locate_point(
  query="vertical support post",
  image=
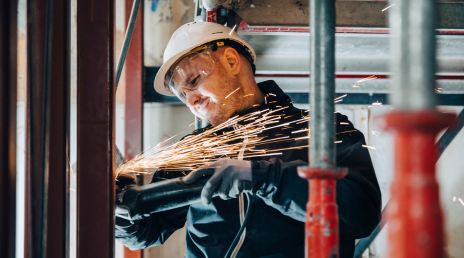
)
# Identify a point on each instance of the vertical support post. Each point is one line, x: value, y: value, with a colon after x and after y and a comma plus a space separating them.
x: 37, y: 135
x: 322, y: 238
x: 47, y: 125
x: 59, y: 173
x: 8, y: 87
x: 134, y: 84
x: 95, y: 128
x: 133, y: 133
x: 414, y: 213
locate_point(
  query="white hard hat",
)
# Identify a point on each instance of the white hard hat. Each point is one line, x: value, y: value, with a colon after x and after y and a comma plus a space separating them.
x: 188, y: 37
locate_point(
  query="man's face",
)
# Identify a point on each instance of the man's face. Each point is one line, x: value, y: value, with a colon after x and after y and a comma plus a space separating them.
x: 202, y: 82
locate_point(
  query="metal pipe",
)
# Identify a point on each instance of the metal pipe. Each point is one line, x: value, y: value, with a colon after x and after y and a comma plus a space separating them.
x: 322, y: 154
x: 8, y: 94
x: 413, y: 62
x: 450, y: 134
x: 127, y: 40
x: 414, y: 214
x: 322, y: 236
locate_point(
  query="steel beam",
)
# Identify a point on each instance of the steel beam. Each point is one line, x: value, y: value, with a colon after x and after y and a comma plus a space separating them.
x: 414, y: 213
x: 133, y: 123
x: 8, y: 87
x: 95, y: 129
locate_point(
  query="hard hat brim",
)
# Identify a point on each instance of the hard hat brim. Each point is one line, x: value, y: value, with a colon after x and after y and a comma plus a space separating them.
x: 161, y: 74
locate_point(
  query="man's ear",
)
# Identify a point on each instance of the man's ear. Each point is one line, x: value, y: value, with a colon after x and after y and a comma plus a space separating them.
x: 232, y: 61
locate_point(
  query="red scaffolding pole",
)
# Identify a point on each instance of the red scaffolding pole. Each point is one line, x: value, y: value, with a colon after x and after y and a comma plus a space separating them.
x: 133, y: 106
x: 414, y: 213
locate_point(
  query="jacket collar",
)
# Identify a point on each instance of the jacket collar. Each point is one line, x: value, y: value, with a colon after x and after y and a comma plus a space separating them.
x: 274, y: 94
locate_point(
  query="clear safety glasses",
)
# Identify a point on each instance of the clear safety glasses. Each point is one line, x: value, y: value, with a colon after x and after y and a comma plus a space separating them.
x: 189, y: 72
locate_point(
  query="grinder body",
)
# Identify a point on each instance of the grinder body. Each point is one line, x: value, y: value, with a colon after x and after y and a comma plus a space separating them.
x: 141, y: 201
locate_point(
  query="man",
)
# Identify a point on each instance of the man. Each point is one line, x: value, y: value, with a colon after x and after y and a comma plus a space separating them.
x: 211, y: 69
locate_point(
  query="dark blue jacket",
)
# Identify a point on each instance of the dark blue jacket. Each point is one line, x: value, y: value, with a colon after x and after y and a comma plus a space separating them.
x: 276, y: 224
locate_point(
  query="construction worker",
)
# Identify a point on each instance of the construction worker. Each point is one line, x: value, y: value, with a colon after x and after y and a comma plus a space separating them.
x: 211, y: 69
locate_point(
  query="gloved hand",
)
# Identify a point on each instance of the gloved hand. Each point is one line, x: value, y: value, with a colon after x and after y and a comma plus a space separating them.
x: 230, y: 178
x: 122, y: 181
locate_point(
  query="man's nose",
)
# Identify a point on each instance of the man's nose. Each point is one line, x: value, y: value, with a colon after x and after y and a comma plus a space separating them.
x: 192, y: 97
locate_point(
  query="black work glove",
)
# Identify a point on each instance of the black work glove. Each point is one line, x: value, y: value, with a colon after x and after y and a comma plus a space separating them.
x: 231, y: 177
x: 122, y: 182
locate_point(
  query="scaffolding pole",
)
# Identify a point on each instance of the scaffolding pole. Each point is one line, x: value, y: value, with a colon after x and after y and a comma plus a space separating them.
x: 322, y: 236
x: 414, y: 213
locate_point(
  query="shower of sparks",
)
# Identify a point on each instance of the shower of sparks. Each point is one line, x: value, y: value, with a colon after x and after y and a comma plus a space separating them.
x: 454, y: 198
x: 363, y: 80
x: 272, y: 94
x: 438, y: 89
x: 388, y: 7
x: 340, y: 98
x: 368, y: 147
x: 344, y: 123
x: 337, y: 142
x: 230, y: 94
x: 238, y: 137
x: 232, y: 30
x: 218, y: 142
x: 461, y: 201
x: 376, y: 104
x: 248, y: 95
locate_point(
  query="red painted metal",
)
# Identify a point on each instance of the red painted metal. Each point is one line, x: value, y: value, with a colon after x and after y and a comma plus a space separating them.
x: 322, y: 230
x: 355, y: 30
x: 211, y: 16
x: 95, y: 129
x: 8, y: 87
x: 414, y: 214
x: 134, y: 85
x: 133, y: 107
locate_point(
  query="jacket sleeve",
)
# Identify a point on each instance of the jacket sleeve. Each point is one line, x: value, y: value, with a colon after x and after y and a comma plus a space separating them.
x: 358, y: 194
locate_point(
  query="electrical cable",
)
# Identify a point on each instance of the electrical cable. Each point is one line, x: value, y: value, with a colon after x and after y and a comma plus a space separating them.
x: 242, y: 227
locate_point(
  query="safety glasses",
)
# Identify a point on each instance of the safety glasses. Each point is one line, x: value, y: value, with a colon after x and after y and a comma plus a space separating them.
x: 189, y: 72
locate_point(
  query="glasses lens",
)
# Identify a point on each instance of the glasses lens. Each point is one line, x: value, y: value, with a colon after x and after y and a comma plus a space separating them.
x: 188, y: 73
